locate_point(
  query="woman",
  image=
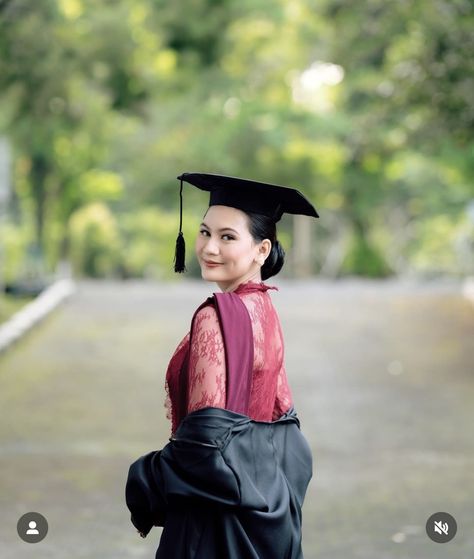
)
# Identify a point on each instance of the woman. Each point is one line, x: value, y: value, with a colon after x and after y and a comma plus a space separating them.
x: 232, y: 480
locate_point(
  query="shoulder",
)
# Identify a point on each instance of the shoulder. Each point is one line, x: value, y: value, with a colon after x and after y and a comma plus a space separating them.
x: 207, y: 338
x: 207, y: 313
x: 206, y: 320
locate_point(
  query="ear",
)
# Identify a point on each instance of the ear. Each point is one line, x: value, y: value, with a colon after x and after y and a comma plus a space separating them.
x: 265, y: 248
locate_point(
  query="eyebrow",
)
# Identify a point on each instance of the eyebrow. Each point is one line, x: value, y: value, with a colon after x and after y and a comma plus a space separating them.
x: 223, y: 229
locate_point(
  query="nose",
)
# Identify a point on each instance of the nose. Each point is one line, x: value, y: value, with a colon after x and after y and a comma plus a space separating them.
x: 210, y: 247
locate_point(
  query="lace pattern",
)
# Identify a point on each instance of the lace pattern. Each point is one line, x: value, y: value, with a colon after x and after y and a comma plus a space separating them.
x: 207, y: 373
x: 270, y: 394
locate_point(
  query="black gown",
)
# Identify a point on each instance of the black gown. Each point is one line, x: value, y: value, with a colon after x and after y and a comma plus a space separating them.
x: 225, y: 486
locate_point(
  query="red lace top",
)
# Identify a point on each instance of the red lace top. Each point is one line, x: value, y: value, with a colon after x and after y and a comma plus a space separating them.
x: 270, y: 395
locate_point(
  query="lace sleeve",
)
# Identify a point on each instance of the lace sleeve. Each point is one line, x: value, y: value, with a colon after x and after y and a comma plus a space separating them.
x: 207, y: 370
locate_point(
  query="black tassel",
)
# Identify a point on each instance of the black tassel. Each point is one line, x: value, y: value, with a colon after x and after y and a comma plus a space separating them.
x: 180, y: 251
x: 179, y: 254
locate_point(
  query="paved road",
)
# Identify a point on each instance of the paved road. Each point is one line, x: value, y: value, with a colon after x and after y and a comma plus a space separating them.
x: 382, y: 380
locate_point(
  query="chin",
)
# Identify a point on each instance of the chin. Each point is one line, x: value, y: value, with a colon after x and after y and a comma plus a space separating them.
x: 213, y: 275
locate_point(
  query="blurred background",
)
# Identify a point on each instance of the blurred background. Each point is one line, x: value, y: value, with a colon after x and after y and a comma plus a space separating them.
x: 365, y: 107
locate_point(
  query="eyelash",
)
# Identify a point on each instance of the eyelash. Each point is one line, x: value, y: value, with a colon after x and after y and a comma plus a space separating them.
x: 225, y: 235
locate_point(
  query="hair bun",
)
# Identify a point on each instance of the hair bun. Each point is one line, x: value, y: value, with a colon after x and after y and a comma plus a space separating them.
x: 263, y: 227
x: 274, y: 261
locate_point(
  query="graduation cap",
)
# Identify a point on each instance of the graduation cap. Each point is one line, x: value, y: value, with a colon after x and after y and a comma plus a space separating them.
x: 270, y: 200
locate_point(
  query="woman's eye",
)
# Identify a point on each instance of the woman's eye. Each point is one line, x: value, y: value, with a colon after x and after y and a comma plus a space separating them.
x: 204, y: 232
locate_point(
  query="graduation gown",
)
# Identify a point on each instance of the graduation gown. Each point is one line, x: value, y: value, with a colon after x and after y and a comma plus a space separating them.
x: 225, y: 486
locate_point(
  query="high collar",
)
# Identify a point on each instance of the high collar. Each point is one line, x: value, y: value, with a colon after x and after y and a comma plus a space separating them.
x: 251, y: 286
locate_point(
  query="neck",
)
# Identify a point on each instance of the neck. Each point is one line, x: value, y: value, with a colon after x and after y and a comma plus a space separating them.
x: 251, y: 276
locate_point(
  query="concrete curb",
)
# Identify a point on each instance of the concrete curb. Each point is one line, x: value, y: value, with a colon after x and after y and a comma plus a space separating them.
x: 34, y: 312
x: 468, y: 288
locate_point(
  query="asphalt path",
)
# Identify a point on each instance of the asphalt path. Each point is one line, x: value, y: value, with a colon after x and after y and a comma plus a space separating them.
x: 383, y: 382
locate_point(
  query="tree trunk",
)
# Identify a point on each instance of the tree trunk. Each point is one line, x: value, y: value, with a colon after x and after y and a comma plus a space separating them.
x: 302, y: 254
x: 38, y: 174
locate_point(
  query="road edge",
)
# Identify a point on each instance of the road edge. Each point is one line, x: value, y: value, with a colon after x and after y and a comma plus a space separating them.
x: 32, y: 313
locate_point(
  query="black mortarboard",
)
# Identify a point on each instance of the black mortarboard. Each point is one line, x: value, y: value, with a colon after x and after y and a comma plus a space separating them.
x: 250, y: 196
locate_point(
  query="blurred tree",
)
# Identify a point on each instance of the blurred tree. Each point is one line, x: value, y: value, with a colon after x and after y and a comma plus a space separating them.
x: 196, y: 30
x: 63, y: 70
x: 366, y: 108
x: 408, y: 78
x: 411, y: 59
x: 95, y: 241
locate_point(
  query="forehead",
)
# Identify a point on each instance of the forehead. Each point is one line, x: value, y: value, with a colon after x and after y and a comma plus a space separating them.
x: 226, y: 216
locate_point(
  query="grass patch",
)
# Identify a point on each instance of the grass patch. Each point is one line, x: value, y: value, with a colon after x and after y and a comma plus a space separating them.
x: 9, y: 305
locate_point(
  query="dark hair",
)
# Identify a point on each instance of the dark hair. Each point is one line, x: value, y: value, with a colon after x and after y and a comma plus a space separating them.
x: 263, y: 227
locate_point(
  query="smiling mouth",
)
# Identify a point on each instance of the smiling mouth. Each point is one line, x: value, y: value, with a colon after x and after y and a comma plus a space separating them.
x: 211, y: 263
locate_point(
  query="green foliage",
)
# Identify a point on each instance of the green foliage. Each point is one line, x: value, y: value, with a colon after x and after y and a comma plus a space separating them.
x: 107, y: 102
x: 14, y: 244
x: 441, y: 244
x: 365, y: 260
x: 94, y: 241
x: 149, y: 237
x: 9, y: 305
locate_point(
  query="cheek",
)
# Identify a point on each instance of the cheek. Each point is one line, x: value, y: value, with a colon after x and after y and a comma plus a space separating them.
x: 198, y: 244
x: 240, y: 253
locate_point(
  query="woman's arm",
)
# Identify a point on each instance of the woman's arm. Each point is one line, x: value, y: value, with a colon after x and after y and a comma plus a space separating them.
x: 207, y: 368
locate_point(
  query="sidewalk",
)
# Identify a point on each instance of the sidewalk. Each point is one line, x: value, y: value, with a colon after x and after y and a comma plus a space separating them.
x: 382, y: 380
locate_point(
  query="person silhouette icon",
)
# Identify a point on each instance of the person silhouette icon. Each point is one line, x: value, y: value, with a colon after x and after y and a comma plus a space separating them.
x: 32, y: 529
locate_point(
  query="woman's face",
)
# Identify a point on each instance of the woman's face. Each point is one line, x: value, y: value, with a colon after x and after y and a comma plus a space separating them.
x: 224, y: 239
